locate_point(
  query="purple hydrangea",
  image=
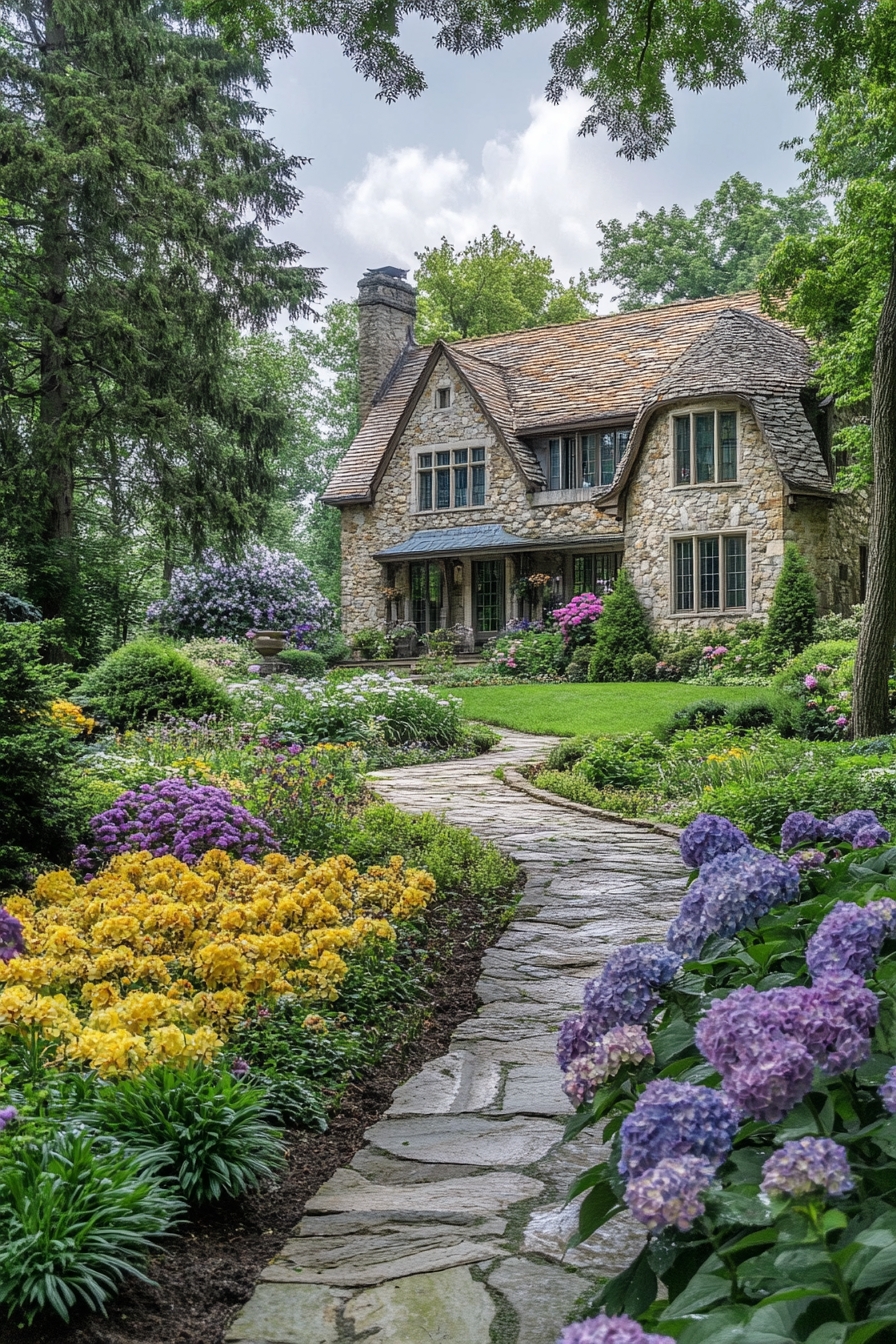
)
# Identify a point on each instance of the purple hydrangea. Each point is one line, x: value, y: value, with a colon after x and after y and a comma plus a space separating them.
x: 12, y: 942
x: 732, y: 891
x: 860, y: 828
x: 850, y: 937
x: 625, y: 991
x: 706, y: 837
x: 175, y: 817
x: 805, y: 859
x: 586, y: 1072
x: 765, y: 1045
x: 576, y: 1037
x: 604, y: 1329
x: 887, y: 1091
x: 802, y: 828
x: 7, y: 1115
x: 264, y: 589
x: 806, y: 1166
x: 677, y: 1120
x: 668, y: 1195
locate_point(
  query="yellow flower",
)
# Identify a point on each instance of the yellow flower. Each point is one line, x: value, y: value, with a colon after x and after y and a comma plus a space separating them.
x: 71, y: 718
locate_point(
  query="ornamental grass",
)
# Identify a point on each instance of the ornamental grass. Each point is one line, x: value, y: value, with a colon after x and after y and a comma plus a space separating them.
x: 155, y: 961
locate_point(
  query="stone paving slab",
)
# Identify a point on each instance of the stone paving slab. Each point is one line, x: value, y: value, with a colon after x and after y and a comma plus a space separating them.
x: 451, y: 1222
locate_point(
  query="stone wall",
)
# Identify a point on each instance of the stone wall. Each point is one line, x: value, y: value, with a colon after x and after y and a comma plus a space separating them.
x: 829, y: 536
x: 387, y: 307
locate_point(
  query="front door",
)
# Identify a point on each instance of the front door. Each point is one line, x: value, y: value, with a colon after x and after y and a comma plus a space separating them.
x: 426, y: 596
x: 488, y: 592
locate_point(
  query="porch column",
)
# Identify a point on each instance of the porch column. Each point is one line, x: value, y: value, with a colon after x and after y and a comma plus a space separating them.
x: 508, y: 589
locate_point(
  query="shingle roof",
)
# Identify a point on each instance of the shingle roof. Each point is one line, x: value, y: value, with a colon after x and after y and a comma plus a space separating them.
x: 624, y: 364
x: 455, y: 540
x: 761, y: 362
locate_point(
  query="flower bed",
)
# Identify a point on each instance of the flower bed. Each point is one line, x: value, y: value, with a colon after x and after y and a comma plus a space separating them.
x: 745, y: 1075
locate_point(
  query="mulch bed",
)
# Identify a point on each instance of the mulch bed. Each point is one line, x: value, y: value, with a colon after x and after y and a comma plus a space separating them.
x: 213, y: 1265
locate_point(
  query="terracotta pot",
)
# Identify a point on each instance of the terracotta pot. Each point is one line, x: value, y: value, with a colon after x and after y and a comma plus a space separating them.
x: 269, y: 642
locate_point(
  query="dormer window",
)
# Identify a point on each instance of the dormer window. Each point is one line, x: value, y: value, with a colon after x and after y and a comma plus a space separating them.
x: 443, y: 398
x: 704, y: 447
x: 579, y: 460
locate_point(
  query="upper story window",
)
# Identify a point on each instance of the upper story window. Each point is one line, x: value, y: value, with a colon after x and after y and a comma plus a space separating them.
x: 443, y: 398
x: 704, y: 446
x: 451, y: 478
x: 578, y: 460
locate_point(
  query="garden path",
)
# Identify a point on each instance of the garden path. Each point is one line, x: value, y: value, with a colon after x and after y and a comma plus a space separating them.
x: 449, y: 1225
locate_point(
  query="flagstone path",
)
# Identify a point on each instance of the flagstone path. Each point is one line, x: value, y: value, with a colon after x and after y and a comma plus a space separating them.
x: 449, y: 1226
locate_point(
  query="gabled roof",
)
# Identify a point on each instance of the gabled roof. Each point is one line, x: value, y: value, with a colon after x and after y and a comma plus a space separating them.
x: 622, y: 366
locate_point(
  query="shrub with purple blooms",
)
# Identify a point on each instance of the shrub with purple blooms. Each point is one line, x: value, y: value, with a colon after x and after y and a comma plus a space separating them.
x: 578, y: 618
x: 707, y: 837
x: 263, y: 590
x: 609, y: 1330
x: 177, y: 818
x: 756, y: 1143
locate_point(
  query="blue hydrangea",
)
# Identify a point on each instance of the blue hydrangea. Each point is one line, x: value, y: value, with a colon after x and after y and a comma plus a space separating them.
x: 708, y: 836
x: 588, y: 1071
x: 604, y: 1329
x: 850, y: 937
x: 801, y: 828
x: 807, y: 1166
x: 668, y: 1195
x: 887, y: 1091
x: 731, y: 893
x: 677, y: 1120
x: 860, y: 828
x: 625, y: 992
x: 576, y: 1037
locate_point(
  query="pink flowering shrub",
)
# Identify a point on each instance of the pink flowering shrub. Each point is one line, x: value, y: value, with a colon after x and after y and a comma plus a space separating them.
x: 578, y: 618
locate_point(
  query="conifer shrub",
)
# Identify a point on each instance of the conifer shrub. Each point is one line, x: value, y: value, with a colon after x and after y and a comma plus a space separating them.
x: 794, y: 608
x: 621, y: 633
x: 148, y: 679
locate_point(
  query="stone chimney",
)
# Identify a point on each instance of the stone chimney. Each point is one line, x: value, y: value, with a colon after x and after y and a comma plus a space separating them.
x: 387, y: 306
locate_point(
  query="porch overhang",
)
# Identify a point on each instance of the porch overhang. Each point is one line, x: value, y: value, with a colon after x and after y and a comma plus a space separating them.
x: 487, y: 538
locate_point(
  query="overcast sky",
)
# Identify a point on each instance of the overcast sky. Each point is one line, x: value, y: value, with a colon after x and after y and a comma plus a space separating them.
x: 482, y: 146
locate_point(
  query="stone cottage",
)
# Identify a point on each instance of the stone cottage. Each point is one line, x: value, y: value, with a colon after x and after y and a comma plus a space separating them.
x: 685, y: 442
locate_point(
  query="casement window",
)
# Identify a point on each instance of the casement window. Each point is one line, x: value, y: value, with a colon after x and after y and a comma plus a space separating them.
x: 443, y: 398
x: 595, y: 573
x: 710, y: 573
x: 704, y: 447
x: 451, y: 478
x: 488, y: 591
x: 578, y: 460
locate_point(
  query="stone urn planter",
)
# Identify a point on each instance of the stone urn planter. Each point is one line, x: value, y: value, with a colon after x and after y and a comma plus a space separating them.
x: 268, y: 643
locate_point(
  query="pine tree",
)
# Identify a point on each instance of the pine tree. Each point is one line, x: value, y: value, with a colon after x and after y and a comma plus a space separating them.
x: 621, y: 633
x: 794, y: 609
x: 138, y: 192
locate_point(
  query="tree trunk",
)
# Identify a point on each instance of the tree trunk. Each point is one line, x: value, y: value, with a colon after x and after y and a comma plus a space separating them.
x: 871, y: 711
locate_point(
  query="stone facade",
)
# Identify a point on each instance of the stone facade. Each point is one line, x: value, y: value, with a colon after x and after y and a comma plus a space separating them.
x: 387, y: 307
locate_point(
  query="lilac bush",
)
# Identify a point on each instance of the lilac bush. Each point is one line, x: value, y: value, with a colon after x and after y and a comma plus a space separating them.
x: 625, y: 992
x: 677, y: 1120
x: 850, y: 937
x: 732, y: 892
x: 806, y: 1166
x: 263, y: 590
x: 174, y: 817
x: 604, y: 1329
x: 668, y: 1195
x: 12, y: 943
x: 706, y: 837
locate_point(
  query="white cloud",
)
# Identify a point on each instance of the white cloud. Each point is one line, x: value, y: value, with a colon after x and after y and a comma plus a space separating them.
x: 547, y: 185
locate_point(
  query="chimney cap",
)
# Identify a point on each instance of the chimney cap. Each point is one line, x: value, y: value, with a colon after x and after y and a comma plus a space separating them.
x: 394, y: 272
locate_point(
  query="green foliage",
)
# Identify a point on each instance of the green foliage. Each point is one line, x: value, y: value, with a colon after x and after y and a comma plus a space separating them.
x: 303, y: 662
x: 480, y: 737
x: 372, y: 643
x: 720, y: 249
x: 830, y: 652
x: 494, y: 284
x: 620, y: 634
x: 531, y: 653
x: 643, y: 667
x: 621, y: 762
x: 202, y: 1127
x: 566, y: 753
x: 79, y: 1215
x: 750, y: 714
x: 146, y: 680
x: 794, y: 608
x: 835, y: 626
x: 224, y: 658
x: 699, y: 714
x: 44, y: 801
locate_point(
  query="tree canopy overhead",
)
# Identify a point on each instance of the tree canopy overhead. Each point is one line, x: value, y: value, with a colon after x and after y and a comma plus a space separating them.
x: 719, y: 249
x: 493, y: 284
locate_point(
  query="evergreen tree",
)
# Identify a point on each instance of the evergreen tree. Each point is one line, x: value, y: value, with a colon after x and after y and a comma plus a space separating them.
x: 138, y: 192
x: 794, y: 609
x: 620, y: 633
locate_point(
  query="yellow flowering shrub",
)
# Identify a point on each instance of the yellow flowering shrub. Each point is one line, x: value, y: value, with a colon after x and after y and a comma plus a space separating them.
x: 155, y: 961
x: 71, y: 718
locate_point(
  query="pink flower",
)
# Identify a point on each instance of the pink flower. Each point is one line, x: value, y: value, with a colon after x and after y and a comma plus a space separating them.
x: 831, y: 709
x: 707, y: 652
x: 823, y: 667
x: 810, y: 682
x: 841, y: 721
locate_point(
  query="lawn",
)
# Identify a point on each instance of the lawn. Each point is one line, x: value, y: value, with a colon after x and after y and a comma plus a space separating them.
x: 617, y: 707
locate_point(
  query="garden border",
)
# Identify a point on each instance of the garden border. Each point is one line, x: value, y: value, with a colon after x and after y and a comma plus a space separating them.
x: 514, y: 780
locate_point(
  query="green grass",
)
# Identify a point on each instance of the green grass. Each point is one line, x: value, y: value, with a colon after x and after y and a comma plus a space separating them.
x: 568, y: 710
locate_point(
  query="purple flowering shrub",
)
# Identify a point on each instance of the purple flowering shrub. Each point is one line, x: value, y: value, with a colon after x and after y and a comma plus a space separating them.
x: 707, y: 837
x: 767, y: 1094
x: 605, y: 1329
x: 263, y: 590
x: 174, y: 817
x: 12, y: 941
x: 578, y: 618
